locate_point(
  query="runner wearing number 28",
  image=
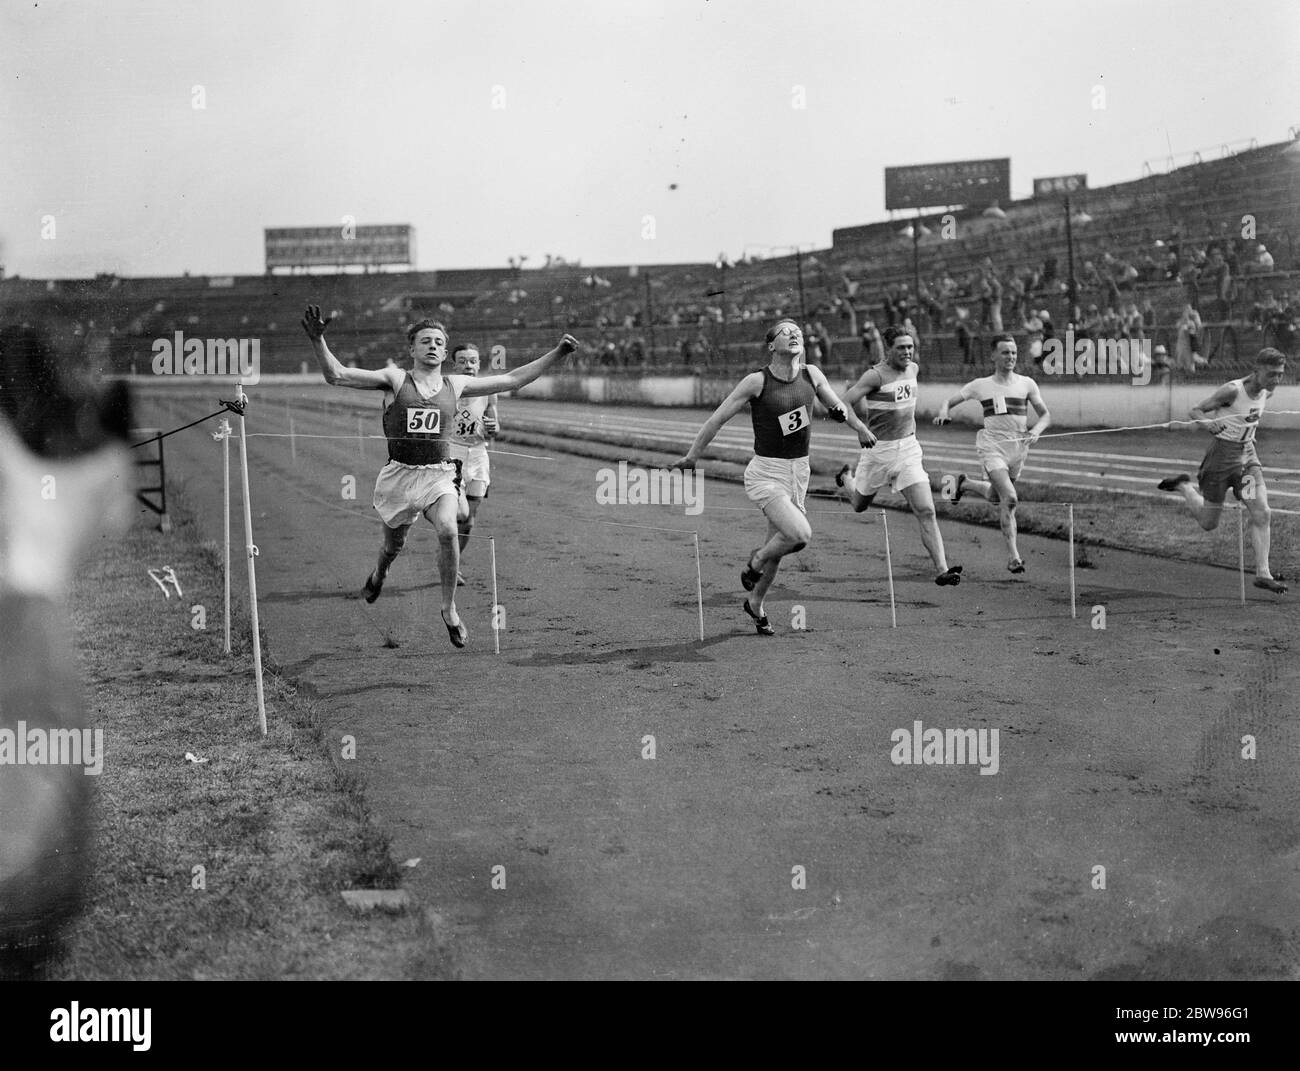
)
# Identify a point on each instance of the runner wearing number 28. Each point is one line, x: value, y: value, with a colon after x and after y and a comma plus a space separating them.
x: 780, y: 399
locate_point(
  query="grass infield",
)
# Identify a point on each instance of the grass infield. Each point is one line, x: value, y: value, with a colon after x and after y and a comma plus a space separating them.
x: 279, y: 825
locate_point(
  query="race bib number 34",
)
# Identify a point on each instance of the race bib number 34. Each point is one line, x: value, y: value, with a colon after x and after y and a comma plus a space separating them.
x: 795, y: 420
x: 426, y: 420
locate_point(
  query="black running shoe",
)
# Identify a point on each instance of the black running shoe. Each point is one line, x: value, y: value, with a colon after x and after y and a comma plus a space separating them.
x: 761, y: 624
x: 374, y: 585
x: 1172, y: 483
x: 951, y: 576
x: 749, y: 577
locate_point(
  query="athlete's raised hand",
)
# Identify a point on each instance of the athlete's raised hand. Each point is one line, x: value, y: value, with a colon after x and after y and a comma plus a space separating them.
x: 313, y: 323
x: 568, y: 344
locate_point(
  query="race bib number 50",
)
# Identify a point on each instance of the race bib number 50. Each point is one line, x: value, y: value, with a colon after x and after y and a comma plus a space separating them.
x: 795, y: 420
x: 426, y: 420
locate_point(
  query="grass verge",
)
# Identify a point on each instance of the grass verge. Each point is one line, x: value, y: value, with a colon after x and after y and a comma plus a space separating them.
x: 228, y: 868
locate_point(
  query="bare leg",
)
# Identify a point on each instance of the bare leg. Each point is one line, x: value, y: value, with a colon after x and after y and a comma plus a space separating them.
x: 442, y: 515
x: 1256, y: 501
x: 1207, y: 514
x: 788, y: 531
x: 922, y: 502
x: 1007, y: 500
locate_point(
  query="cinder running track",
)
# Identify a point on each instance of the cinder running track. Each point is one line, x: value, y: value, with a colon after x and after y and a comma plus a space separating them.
x: 1118, y: 748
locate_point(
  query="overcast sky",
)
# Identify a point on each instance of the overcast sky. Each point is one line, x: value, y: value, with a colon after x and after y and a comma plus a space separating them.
x: 385, y: 112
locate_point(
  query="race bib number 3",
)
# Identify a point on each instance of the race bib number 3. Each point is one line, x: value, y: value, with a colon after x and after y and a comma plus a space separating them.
x: 425, y: 420
x: 795, y: 420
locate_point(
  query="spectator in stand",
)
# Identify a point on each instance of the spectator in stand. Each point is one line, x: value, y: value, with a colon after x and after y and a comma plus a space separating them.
x: 1265, y: 309
x: 1187, y: 350
x: 1131, y: 317
x: 1092, y: 324
x: 1172, y: 271
x: 1263, y: 262
x: 1111, y: 324
x: 995, y: 298
x: 1146, y: 269
x: 1160, y: 364
x: 1033, y: 328
x: 1016, y: 298
x: 964, y: 336
x: 823, y: 338
x: 1215, y: 284
x: 1049, y: 272
x: 984, y: 290
x: 812, y: 345
x: 873, y: 346
x: 887, y: 306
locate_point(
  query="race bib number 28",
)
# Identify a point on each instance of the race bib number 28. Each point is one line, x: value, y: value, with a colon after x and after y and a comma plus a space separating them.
x: 795, y: 420
x: 426, y: 420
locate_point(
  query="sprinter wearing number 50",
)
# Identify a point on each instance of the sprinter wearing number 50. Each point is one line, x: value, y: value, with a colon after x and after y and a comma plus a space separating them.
x: 421, y: 477
x: 780, y: 400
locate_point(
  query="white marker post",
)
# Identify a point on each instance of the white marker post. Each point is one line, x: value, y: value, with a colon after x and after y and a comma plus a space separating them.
x: 496, y: 608
x: 1074, y: 610
x: 699, y: 585
x: 1241, y: 549
x: 250, y: 550
x: 293, y: 442
x: 225, y: 486
x: 361, y: 439
x: 889, y: 566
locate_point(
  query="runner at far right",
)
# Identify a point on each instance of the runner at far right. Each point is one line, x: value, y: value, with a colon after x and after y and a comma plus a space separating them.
x: 1232, y: 414
x: 1003, y: 443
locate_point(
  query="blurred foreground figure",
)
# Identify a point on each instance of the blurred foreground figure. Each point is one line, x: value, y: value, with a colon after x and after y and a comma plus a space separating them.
x: 65, y: 481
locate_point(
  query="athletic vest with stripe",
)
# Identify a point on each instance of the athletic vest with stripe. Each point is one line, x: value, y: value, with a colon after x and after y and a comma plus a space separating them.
x: 1241, y: 415
x: 418, y: 428
x: 1005, y: 405
x: 782, y: 415
x: 891, y: 407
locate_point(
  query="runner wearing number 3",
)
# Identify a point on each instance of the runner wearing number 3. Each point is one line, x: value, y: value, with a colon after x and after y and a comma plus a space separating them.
x: 421, y: 477
x: 780, y: 399
x: 888, y: 391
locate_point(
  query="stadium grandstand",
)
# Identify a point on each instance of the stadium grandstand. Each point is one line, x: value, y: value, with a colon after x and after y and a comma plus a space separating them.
x: 1144, y: 253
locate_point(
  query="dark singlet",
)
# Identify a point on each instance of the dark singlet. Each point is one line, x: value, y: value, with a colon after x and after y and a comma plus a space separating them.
x: 782, y: 415
x: 419, y: 428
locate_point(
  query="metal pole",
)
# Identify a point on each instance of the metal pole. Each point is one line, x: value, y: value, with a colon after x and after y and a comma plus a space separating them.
x: 798, y: 267
x: 916, y: 259
x: 250, y: 551
x: 225, y: 472
x: 889, y: 567
x: 724, y: 319
x: 1074, y: 610
x: 496, y: 607
x: 699, y: 585
x: 1241, y: 550
x: 1073, y: 316
x: 650, y: 316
